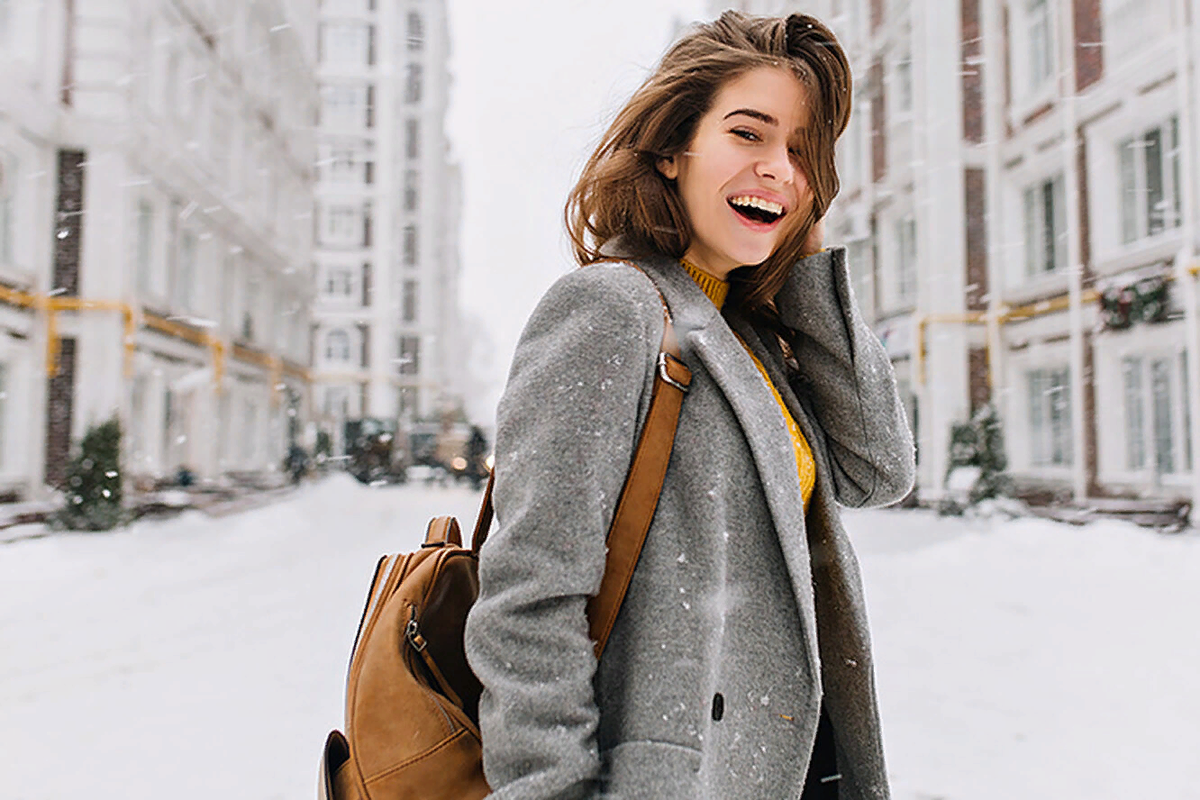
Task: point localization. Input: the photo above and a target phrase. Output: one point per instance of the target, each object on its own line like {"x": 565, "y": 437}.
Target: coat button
{"x": 718, "y": 709}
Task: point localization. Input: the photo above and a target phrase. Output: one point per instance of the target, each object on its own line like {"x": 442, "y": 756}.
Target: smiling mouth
{"x": 756, "y": 209}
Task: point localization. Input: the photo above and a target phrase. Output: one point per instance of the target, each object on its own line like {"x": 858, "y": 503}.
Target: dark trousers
{"x": 823, "y": 764}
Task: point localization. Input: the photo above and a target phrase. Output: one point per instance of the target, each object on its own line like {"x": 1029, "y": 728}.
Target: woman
{"x": 739, "y": 666}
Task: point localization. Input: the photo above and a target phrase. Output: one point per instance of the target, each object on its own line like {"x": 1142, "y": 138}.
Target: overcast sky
{"x": 535, "y": 82}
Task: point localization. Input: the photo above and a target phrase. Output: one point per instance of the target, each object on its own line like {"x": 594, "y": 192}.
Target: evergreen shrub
{"x": 979, "y": 443}
{"x": 93, "y": 483}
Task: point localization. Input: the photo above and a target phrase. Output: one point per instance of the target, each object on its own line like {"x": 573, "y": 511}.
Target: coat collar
{"x": 706, "y": 336}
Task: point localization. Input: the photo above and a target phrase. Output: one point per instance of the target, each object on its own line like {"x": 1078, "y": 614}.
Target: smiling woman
{"x": 739, "y": 663}
{"x": 739, "y": 179}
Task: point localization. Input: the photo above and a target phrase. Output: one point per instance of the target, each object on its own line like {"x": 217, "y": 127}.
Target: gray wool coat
{"x": 737, "y": 592}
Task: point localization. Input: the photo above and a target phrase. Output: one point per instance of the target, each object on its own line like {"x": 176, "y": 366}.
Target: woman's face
{"x": 739, "y": 178}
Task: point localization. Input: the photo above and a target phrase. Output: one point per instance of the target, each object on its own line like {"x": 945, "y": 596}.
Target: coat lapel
{"x": 704, "y": 333}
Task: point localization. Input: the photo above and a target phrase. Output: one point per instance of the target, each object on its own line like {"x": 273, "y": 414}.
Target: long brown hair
{"x": 622, "y": 193}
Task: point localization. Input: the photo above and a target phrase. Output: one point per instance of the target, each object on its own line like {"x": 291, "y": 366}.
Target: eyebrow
{"x": 758, "y": 115}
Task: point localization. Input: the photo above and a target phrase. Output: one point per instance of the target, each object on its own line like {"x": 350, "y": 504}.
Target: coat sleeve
{"x": 566, "y": 430}
{"x": 846, "y": 378}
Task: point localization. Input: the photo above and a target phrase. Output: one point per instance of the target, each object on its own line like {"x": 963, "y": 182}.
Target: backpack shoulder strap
{"x": 639, "y": 495}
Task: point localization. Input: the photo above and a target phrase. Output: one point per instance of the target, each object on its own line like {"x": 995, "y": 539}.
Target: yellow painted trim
{"x": 52, "y": 305}
{"x": 1016, "y": 314}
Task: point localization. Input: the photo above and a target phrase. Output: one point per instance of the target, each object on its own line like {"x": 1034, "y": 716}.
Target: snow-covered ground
{"x": 200, "y": 658}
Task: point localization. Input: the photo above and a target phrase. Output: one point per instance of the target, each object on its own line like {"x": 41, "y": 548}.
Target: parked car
{"x": 374, "y": 452}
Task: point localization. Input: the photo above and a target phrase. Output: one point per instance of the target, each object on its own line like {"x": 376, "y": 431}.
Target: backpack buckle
{"x": 666, "y": 376}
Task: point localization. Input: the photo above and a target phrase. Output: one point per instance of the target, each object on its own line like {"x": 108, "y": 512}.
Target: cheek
{"x": 801, "y": 182}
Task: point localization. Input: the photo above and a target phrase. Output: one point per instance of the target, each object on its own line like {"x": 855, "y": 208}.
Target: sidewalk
{"x": 27, "y": 520}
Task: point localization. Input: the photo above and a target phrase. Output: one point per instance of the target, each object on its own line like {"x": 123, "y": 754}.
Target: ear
{"x": 668, "y": 167}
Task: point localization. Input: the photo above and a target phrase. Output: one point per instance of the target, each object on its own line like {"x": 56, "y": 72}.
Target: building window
{"x": 408, "y": 402}
{"x": 412, "y": 138}
{"x": 337, "y": 402}
{"x": 8, "y": 205}
{"x": 1135, "y": 442}
{"x": 1161, "y": 411}
{"x": 145, "y": 244}
{"x": 1150, "y": 182}
{"x": 416, "y": 31}
{"x": 369, "y": 119}
{"x": 1050, "y": 417}
{"x": 168, "y": 416}
{"x": 185, "y": 275}
{"x": 410, "y": 245}
{"x": 339, "y": 282}
{"x": 137, "y": 421}
{"x": 1185, "y": 413}
{"x": 345, "y": 105}
{"x": 337, "y": 346}
{"x": 904, "y": 87}
{"x": 412, "y": 84}
{"x": 250, "y": 310}
{"x": 340, "y": 165}
{"x": 344, "y": 43}
{"x": 411, "y": 185}
{"x": 1045, "y": 226}
{"x": 368, "y": 218}
{"x": 341, "y": 224}
{"x": 347, "y": 163}
{"x": 250, "y": 430}
{"x": 1040, "y": 42}
{"x": 1158, "y": 386}
{"x": 906, "y": 258}
{"x": 408, "y": 359}
{"x": 851, "y": 146}
{"x": 409, "y": 302}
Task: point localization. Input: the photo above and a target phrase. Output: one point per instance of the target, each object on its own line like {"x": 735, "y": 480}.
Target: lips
{"x": 756, "y": 209}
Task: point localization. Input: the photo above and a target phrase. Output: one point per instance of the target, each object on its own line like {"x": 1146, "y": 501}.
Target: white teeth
{"x": 757, "y": 202}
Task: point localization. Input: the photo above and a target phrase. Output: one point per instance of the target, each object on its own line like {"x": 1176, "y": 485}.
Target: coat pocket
{"x": 644, "y": 770}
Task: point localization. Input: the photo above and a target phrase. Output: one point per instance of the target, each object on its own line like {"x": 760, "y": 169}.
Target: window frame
{"x": 1154, "y": 444}
{"x": 342, "y": 340}
{"x": 1137, "y": 223}
{"x": 1027, "y": 96}
{"x": 1037, "y": 241}
{"x": 1050, "y": 430}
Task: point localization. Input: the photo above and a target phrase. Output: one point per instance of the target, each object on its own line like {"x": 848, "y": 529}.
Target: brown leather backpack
{"x": 412, "y": 724}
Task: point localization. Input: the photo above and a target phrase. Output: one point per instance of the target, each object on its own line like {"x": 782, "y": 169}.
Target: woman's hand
{"x": 815, "y": 240}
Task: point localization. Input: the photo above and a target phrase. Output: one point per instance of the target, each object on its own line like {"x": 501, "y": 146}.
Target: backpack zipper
{"x": 417, "y": 642}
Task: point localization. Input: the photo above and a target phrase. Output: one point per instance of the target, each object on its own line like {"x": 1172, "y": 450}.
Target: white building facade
{"x": 386, "y": 318}
{"x": 1019, "y": 203}
{"x": 155, "y": 232}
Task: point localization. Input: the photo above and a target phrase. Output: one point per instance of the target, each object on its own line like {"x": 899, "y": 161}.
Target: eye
{"x": 747, "y": 134}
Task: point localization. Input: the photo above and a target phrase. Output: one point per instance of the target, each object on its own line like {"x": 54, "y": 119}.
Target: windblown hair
{"x": 621, "y": 192}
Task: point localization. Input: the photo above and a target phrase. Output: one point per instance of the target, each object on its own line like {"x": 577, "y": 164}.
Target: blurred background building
{"x": 993, "y": 146}
{"x": 386, "y": 323}
{"x": 154, "y": 231}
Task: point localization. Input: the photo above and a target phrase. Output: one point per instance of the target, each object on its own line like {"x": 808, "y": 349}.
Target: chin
{"x": 751, "y": 258}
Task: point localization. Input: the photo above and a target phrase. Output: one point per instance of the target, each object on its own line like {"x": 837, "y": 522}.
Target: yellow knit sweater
{"x": 717, "y": 290}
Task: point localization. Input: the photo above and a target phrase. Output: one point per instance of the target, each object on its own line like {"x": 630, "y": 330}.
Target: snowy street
{"x": 201, "y": 658}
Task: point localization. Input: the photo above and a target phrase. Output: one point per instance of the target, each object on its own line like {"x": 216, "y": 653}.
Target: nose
{"x": 776, "y": 164}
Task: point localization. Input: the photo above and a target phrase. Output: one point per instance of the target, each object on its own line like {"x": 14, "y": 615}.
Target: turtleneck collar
{"x": 715, "y": 288}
